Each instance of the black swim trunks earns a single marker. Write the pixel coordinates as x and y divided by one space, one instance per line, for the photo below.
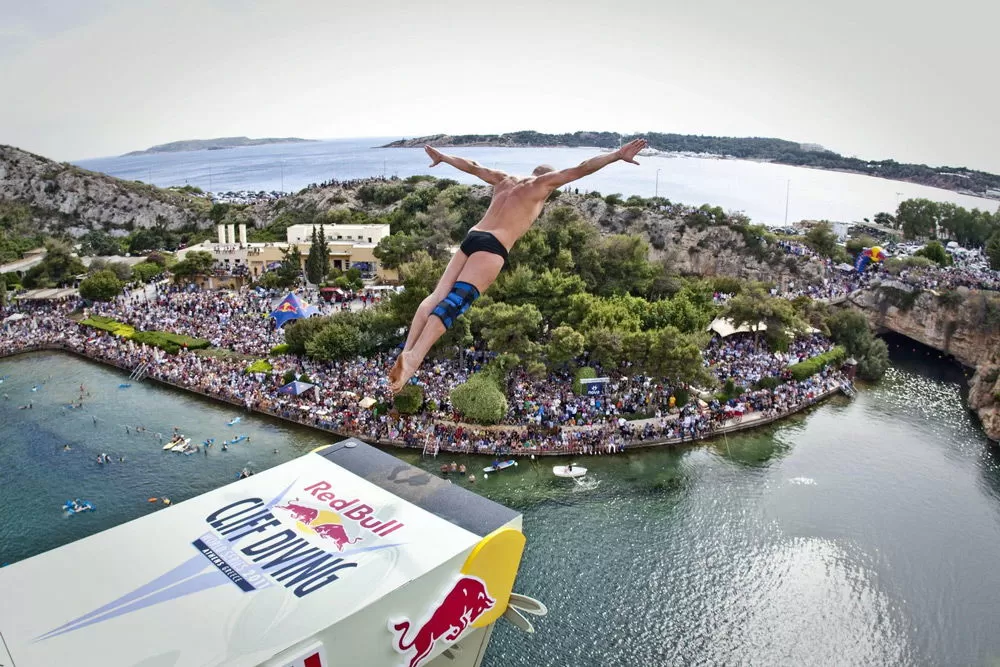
477 241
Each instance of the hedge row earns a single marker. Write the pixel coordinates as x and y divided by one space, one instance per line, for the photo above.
582 373
109 325
260 366
810 367
169 342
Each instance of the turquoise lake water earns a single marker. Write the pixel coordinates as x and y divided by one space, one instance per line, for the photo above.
865 532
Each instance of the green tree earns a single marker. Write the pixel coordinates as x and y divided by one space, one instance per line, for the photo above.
59 267
479 400
98 243
564 345
885 220
290 270
299 332
875 361
667 353
419 279
324 253
624 266
993 251
339 339
606 346
507 328
3 293
409 400
314 272
935 252
146 271
754 307
396 249
102 286
918 218
822 239
121 270
195 263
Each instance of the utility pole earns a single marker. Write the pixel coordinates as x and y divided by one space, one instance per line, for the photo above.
657 191
788 191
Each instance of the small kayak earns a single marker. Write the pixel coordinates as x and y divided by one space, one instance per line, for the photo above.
235 420
75 507
173 443
567 471
239 438
209 442
124 385
503 465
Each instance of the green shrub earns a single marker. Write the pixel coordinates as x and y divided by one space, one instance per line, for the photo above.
260 366
305 378
810 367
950 299
409 399
767 383
170 342
582 373
288 377
681 397
479 400
279 349
109 325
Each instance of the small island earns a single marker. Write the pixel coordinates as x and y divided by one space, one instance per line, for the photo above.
764 149
216 144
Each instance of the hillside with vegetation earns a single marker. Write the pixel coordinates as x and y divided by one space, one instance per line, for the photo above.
747 148
39 196
216 144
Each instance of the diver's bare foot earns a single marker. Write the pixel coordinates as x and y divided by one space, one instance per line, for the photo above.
407 366
397 369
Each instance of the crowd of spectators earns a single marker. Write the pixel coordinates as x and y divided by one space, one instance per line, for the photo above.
545 414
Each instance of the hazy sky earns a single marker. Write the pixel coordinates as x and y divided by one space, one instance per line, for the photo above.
912 81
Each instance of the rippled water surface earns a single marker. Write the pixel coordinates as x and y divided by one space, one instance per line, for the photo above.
863 533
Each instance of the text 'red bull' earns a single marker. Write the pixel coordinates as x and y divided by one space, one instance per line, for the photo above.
353 509
462 605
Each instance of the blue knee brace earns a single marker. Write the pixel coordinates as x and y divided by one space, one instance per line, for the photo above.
456 303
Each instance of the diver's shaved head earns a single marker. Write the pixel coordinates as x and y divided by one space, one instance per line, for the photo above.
542 169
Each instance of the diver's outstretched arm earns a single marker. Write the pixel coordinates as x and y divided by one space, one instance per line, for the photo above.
491 176
557 179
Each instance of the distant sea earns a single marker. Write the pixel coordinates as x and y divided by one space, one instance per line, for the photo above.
758 189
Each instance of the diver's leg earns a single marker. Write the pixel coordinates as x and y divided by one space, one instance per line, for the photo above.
480 271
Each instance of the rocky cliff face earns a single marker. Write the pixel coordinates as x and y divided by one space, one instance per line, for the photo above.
63 197
968 329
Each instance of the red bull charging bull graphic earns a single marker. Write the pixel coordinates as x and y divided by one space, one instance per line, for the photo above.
467 600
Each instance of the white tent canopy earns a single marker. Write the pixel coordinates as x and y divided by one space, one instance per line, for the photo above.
724 327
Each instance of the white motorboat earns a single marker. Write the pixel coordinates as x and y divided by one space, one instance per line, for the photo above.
571 470
181 445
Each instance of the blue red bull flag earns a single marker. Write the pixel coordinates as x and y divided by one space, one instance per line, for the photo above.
292 308
303 564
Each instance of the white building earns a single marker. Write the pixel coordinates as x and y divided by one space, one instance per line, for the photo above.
358 234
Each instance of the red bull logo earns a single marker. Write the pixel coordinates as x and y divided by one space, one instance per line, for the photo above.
285 307
467 600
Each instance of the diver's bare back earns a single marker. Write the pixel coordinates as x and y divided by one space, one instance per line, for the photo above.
516 204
